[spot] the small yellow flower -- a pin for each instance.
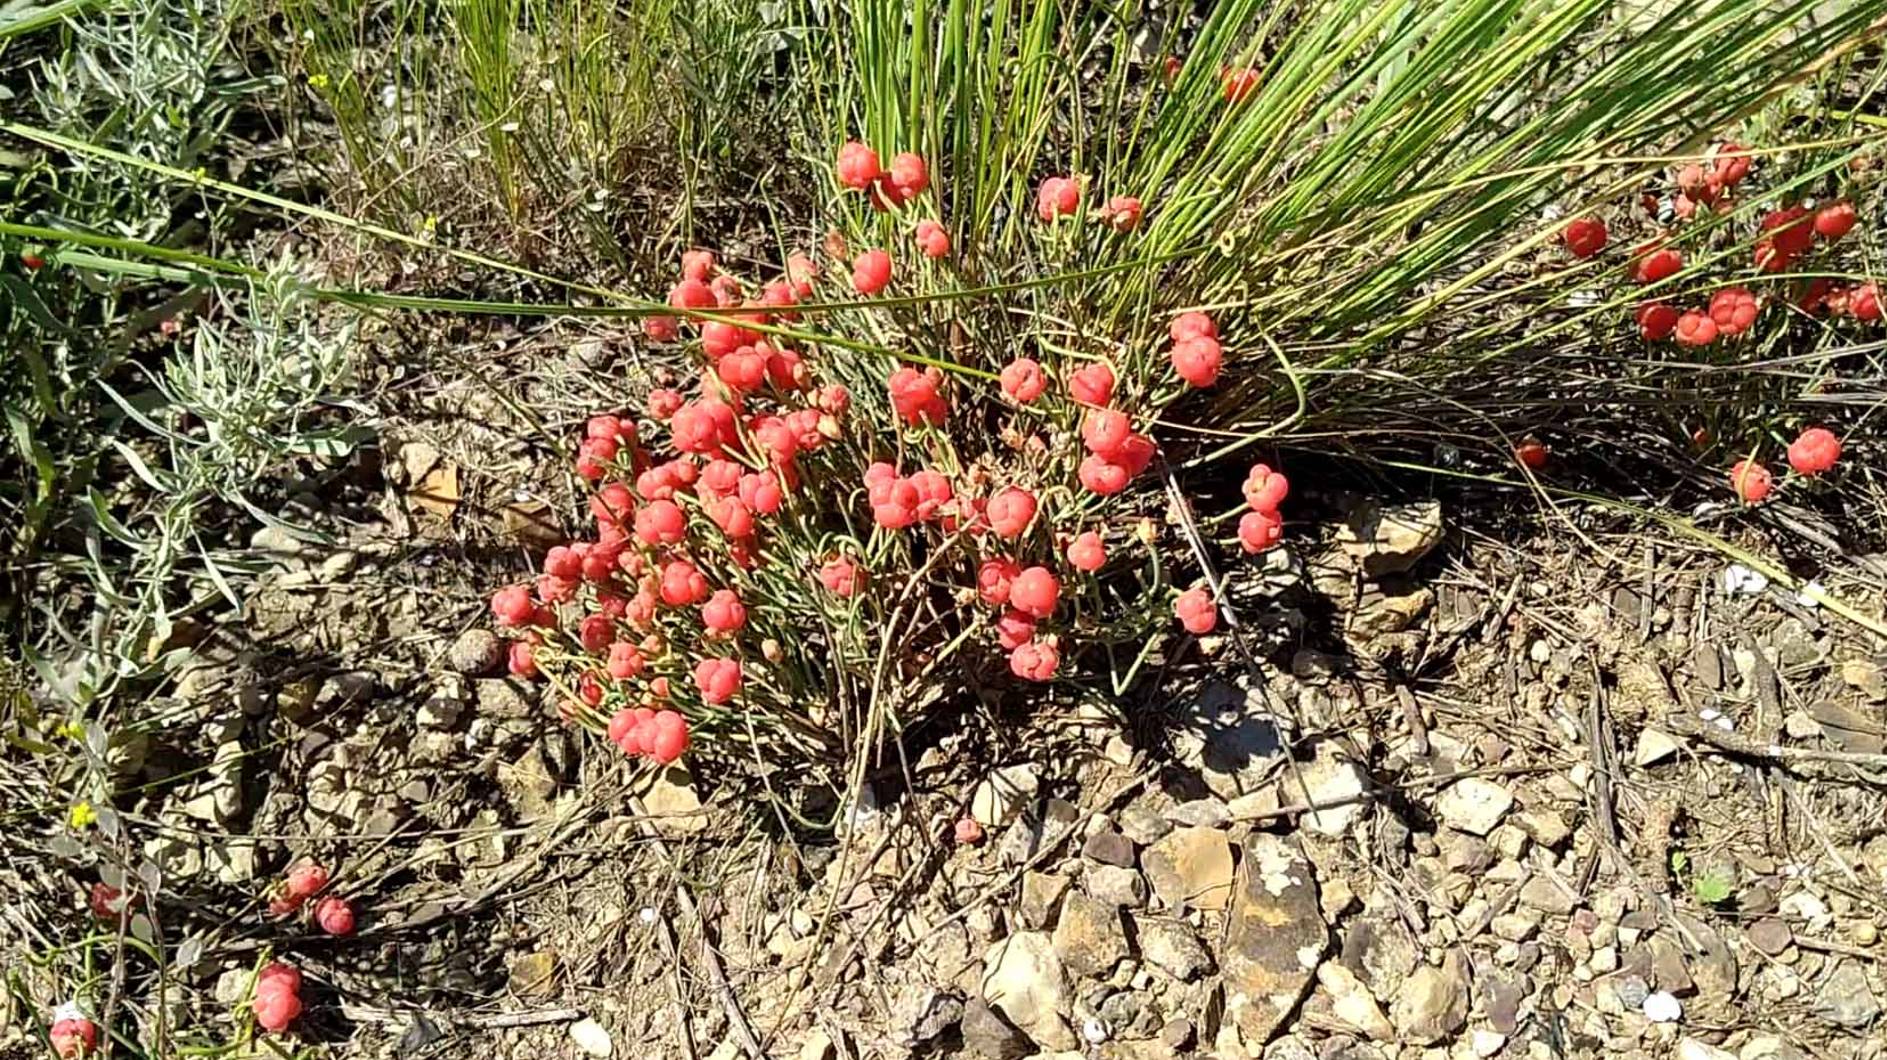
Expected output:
(318, 82)
(83, 816)
(72, 730)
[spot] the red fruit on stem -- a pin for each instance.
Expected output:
(871, 272)
(1656, 320)
(1733, 310)
(1092, 384)
(1585, 236)
(1191, 325)
(276, 1010)
(1087, 553)
(1014, 628)
(1035, 592)
(1238, 84)
(1100, 475)
(1834, 220)
(842, 577)
(304, 880)
(718, 679)
(667, 736)
(932, 239)
(32, 262)
(909, 175)
(335, 916)
(1197, 360)
(1695, 329)
(1023, 380)
(1655, 263)
(1814, 451)
(682, 584)
(1751, 481)
(74, 1036)
(1259, 530)
(1122, 213)
(723, 613)
(1034, 661)
(1265, 489)
(625, 661)
(1057, 197)
(858, 166)
(1864, 302)
(692, 294)
(661, 522)
(1010, 511)
(1196, 611)
(1727, 167)
(661, 329)
(995, 579)
(1105, 432)
(697, 265)
(521, 660)
(1791, 230)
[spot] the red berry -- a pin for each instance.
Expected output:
(723, 613)
(909, 175)
(1010, 511)
(801, 271)
(760, 492)
(718, 679)
(1814, 451)
(305, 880)
(697, 265)
(1034, 661)
(1057, 197)
(278, 977)
(917, 397)
(667, 736)
(108, 902)
(1656, 320)
(1196, 611)
(1695, 329)
(1751, 481)
(1834, 220)
(1100, 475)
(1035, 592)
(1197, 360)
(842, 577)
(74, 1036)
(1733, 310)
(933, 493)
(1690, 180)
(967, 832)
(1122, 213)
(858, 166)
(871, 272)
(276, 1010)
(995, 578)
(661, 522)
(595, 632)
(625, 661)
(1654, 263)
(682, 584)
(1238, 84)
(1792, 230)
(1092, 384)
(1585, 236)
(1864, 302)
(335, 916)
(1191, 325)
(613, 505)
(932, 239)
(1014, 628)
(593, 457)
(1087, 553)
(1023, 380)
(692, 293)
(1265, 489)
(1105, 432)
(661, 329)
(1532, 452)
(33, 262)
(1259, 530)
(1729, 167)
(521, 660)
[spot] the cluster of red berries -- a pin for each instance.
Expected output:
(659, 735)
(74, 1036)
(1059, 197)
(277, 1003)
(333, 914)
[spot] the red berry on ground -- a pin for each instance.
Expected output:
(1192, 325)
(276, 1010)
(1656, 320)
(303, 881)
(1196, 611)
(335, 916)
(1834, 220)
(1751, 481)
(871, 272)
(697, 265)
(1087, 553)
(1259, 530)
(1532, 452)
(967, 832)
(108, 902)
(1023, 380)
(1791, 230)
(1864, 302)
(1585, 236)
(1728, 168)
(1238, 84)
(521, 660)
(1014, 628)
(661, 329)
(692, 293)
(1814, 451)
(1655, 263)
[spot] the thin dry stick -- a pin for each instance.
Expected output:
(684, 1024)
(366, 1014)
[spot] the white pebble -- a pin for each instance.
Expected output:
(1094, 1030)
(648, 914)
(1661, 1007)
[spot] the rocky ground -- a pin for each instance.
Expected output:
(1448, 791)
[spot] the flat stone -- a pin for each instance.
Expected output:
(1545, 827)
(1500, 994)
(987, 1034)
(1433, 1004)
(1041, 897)
(1190, 867)
(1845, 999)
(1548, 895)
(1200, 813)
(1654, 746)
(817, 1046)
(1769, 935)
(1659, 1007)
(1088, 936)
(1238, 741)
(498, 697)
(921, 1014)
(1274, 938)
(1350, 1000)
(534, 974)
(1023, 979)
(476, 653)
(1486, 1043)
(1122, 888)
(1002, 795)
(1333, 778)
(1474, 805)
(1178, 1035)
(1172, 947)
(1108, 847)
(1382, 953)
(673, 803)
(1847, 728)
(1390, 539)
(1142, 825)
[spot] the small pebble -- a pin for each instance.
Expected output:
(1662, 1007)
